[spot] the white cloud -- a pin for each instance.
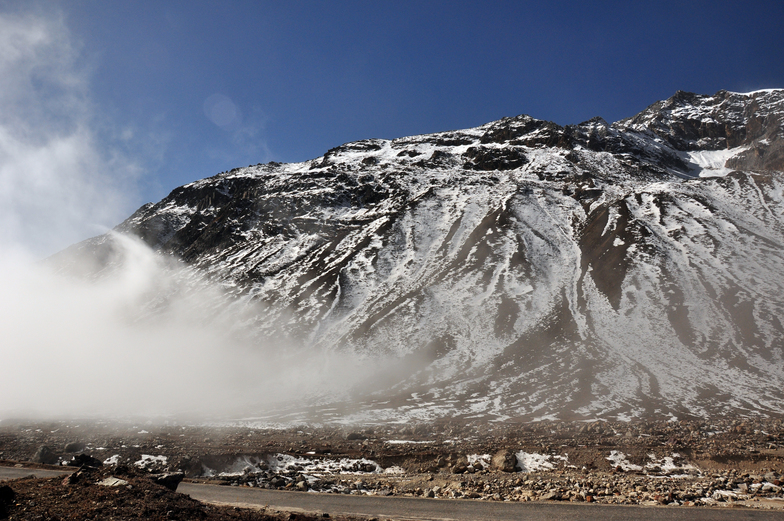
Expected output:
(61, 180)
(145, 337)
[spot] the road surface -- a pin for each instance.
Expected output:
(434, 509)
(462, 510)
(23, 472)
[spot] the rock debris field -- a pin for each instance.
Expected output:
(687, 464)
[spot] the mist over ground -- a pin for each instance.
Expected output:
(146, 338)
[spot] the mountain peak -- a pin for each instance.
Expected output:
(518, 269)
(725, 120)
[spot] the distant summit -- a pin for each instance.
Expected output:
(520, 269)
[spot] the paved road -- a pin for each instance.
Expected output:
(435, 509)
(21, 472)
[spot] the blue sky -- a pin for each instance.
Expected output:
(106, 105)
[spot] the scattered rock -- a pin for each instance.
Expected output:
(460, 466)
(83, 475)
(668, 477)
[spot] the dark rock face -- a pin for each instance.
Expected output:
(593, 270)
(501, 159)
(760, 157)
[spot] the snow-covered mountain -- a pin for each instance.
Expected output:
(519, 269)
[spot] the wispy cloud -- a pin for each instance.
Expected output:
(244, 128)
(61, 179)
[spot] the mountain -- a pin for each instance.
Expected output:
(519, 269)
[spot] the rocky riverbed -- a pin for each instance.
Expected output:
(693, 464)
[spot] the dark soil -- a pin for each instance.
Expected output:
(81, 496)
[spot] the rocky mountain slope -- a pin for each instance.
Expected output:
(519, 269)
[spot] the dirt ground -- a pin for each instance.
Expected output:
(692, 464)
(119, 495)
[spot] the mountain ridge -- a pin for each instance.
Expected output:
(519, 269)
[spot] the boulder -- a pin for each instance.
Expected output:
(504, 460)
(45, 455)
(169, 480)
(111, 481)
(7, 497)
(460, 466)
(85, 460)
(74, 446)
(5, 506)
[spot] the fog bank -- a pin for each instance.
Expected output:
(146, 338)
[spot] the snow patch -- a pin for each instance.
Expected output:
(710, 163)
(479, 459)
(618, 459)
(532, 462)
(668, 464)
(148, 461)
(112, 460)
